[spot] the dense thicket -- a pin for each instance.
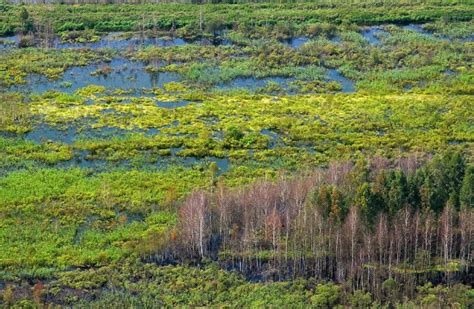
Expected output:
(365, 224)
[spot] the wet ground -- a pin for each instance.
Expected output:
(348, 85)
(121, 74)
(122, 41)
(132, 77)
(44, 133)
(374, 34)
(296, 42)
(119, 41)
(252, 83)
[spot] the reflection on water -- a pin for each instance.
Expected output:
(120, 74)
(119, 41)
(112, 40)
(252, 83)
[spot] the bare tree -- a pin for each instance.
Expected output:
(195, 222)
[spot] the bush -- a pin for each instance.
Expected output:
(326, 295)
(360, 299)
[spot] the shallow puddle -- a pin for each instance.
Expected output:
(81, 160)
(374, 34)
(223, 164)
(273, 136)
(417, 28)
(181, 103)
(46, 133)
(9, 42)
(335, 39)
(296, 42)
(347, 84)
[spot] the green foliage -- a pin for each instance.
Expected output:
(16, 65)
(26, 21)
(457, 295)
(15, 114)
(86, 213)
(277, 19)
(361, 299)
(467, 190)
(391, 290)
(443, 179)
(326, 296)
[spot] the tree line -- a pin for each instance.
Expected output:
(319, 2)
(368, 224)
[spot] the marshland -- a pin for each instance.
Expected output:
(290, 154)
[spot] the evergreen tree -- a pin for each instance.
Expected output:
(380, 191)
(466, 196)
(336, 204)
(414, 184)
(26, 21)
(397, 196)
(324, 200)
(444, 179)
(364, 201)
